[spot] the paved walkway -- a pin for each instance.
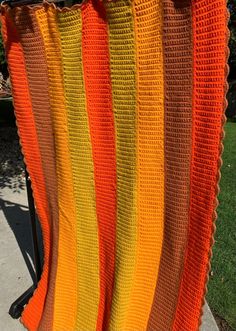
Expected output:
(16, 258)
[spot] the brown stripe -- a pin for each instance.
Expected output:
(177, 43)
(32, 44)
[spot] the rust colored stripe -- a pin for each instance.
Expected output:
(30, 145)
(177, 43)
(101, 121)
(36, 68)
(210, 57)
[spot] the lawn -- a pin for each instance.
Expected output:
(222, 285)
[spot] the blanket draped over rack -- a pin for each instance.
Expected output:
(120, 107)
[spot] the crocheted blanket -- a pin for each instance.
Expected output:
(119, 107)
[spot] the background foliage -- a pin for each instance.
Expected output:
(2, 56)
(232, 28)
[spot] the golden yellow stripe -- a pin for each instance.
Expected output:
(66, 280)
(122, 62)
(70, 26)
(150, 144)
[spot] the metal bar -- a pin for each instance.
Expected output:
(16, 3)
(36, 255)
(18, 305)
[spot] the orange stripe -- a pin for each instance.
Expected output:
(36, 66)
(27, 131)
(209, 31)
(99, 107)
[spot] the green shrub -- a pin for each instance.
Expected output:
(2, 54)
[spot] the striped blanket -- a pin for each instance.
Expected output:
(120, 106)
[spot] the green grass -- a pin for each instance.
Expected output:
(222, 285)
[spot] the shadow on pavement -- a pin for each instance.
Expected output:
(18, 219)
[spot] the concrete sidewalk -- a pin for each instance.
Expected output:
(16, 268)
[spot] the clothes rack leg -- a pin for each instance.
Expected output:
(18, 305)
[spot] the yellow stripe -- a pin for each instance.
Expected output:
(150, 142)
(66, 280)
(70, 25)
(122, 61)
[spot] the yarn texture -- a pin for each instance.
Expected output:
(120, 111)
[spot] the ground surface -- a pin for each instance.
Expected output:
(222, 285)
(15, 254)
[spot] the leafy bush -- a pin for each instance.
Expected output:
(2, 55)
(232, 41)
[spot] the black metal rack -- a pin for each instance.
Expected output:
(18, 305)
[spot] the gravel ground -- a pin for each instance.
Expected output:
(11, 163)
(222, 323)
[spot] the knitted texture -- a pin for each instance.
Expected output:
(65, 297)
(38, 85)
(30, 148)
(177, 43)
(101, 119)
(123, 79)
(209, 47)
(120, 106)
(150, 160)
